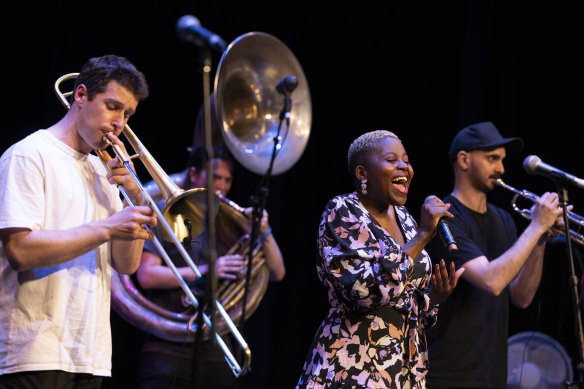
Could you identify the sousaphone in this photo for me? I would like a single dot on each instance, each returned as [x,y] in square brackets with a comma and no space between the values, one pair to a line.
[247,106]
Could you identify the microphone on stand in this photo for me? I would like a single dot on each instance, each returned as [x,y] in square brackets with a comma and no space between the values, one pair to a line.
[534,165]
[444,231]
[189,29]
[285,87]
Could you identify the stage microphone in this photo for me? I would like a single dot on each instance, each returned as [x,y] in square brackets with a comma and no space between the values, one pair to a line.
[444,231]
[287,85]
[189,29]
[534,165]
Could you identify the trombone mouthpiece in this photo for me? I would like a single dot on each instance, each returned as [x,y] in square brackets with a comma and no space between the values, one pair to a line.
[107,140]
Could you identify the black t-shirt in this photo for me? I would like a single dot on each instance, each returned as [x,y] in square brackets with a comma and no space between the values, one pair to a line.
[468,345]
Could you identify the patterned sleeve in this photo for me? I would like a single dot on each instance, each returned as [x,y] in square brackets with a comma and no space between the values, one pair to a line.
[365,266]
[429,314]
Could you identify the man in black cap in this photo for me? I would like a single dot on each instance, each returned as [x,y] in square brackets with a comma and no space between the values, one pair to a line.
[468,345]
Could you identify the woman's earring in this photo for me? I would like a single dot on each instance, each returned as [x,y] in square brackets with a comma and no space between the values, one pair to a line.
[364,186]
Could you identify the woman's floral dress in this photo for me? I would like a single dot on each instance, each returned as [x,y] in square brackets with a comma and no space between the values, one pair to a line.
[373,335]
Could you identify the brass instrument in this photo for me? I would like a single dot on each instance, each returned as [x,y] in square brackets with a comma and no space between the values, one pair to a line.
[181,206]
[232,225]
[574,219]
[247,104]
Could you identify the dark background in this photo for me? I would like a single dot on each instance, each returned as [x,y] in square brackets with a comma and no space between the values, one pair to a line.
[421,69]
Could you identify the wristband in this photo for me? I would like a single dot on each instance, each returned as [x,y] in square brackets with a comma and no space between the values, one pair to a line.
[267,235]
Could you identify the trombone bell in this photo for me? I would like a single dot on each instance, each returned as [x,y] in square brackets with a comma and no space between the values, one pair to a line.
[185,213]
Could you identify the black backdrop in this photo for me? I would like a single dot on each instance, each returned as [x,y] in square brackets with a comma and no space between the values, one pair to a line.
[421,69]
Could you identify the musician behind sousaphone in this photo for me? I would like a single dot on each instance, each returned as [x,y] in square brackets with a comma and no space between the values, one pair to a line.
[164,362]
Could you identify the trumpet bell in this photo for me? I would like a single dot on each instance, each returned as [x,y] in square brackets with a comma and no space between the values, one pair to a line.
[248,105]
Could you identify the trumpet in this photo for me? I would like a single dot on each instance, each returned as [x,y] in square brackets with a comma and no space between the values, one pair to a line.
[573,218]
[181,207]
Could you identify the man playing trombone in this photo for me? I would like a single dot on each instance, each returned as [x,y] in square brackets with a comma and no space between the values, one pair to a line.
[62,225]
[468,345]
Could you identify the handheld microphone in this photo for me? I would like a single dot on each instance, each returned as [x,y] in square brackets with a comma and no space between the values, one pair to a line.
[534,165]
[444,231]
[189,29]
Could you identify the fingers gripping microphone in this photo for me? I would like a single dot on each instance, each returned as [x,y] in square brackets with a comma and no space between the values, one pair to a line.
[534,165]
[189,29]
[444,231]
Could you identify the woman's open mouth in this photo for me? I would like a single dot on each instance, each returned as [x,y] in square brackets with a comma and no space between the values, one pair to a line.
[400,184]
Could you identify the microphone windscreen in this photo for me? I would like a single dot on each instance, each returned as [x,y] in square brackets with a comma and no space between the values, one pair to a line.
[187,21]
[429,198]
[184,24]
[530,163]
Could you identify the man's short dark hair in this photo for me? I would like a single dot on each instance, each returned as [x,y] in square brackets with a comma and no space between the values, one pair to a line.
[97,72]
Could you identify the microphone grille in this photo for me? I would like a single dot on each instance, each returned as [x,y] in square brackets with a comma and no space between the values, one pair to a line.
[187,21]
[530,163]
[183,25]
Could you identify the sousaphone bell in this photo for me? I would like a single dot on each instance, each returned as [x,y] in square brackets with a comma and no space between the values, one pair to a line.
[248,105]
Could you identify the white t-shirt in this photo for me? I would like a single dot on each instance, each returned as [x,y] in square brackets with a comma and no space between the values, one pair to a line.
[55,318]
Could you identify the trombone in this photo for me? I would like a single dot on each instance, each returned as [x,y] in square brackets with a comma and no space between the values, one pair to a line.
[180,207]
[526,213]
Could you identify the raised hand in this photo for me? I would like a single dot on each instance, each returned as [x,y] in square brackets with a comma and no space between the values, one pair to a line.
[264,226]
[118,174]
[432,210]
[443,281]
[547,212]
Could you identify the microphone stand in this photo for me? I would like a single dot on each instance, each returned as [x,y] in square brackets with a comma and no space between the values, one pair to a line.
[574,289]
[210,251]
[259,204]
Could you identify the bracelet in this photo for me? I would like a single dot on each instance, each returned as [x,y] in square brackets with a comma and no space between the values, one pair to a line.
[267,235]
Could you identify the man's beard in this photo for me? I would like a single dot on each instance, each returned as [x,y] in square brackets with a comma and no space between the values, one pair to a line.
[484,186]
